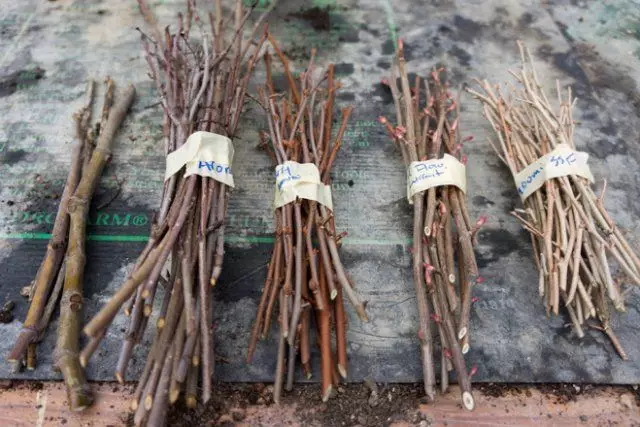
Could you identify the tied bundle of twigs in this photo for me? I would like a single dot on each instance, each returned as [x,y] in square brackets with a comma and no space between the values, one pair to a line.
[444,264]
[305,273]
[202,86]
[571,232]
[62,269]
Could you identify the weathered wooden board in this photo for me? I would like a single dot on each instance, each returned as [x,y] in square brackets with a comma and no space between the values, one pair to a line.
[45,406]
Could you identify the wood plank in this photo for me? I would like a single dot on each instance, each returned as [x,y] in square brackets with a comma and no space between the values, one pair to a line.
[44,404]
[529,406]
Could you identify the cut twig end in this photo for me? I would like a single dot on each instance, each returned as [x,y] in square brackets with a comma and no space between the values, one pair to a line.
[465,348]
[191,401]
[362,314]
[148,402]
[462,332]
[119,377]
[343,371]
[80,397]
[326,395]
[467,401]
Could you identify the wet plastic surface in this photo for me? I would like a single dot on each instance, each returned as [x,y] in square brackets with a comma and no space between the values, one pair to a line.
[48,50]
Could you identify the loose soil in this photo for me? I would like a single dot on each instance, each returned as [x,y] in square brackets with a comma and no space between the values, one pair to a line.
[354,404]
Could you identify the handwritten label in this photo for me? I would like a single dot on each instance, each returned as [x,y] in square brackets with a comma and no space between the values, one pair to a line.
[205,154]
[562,161]
[435,173]
[300,180]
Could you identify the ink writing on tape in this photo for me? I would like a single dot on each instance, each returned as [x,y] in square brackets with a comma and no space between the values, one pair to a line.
[435,173]
[562,161]
[206,154]
[300,180]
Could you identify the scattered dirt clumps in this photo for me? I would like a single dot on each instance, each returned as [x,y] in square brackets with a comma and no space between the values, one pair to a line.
[353,404]
[6,312]
[318,18]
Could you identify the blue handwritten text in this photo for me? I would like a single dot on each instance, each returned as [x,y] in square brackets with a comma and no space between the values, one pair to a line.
[284,175]
[213,167]
[427,171]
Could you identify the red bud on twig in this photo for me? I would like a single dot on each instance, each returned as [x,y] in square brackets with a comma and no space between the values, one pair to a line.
[428,270]
[400,131]
[473,371]
[443,209]
[479,223]
[341,235]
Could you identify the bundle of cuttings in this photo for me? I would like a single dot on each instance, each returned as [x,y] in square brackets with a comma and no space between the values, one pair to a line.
[444,265]
[61,272]
[572,234]
[305,274]
[201,73]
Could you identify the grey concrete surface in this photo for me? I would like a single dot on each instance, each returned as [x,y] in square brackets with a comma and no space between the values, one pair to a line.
[49,48]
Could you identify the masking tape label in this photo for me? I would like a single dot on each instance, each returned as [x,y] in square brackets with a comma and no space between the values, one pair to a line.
[562,161]
[435,173]
[301,180]
[205,154]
